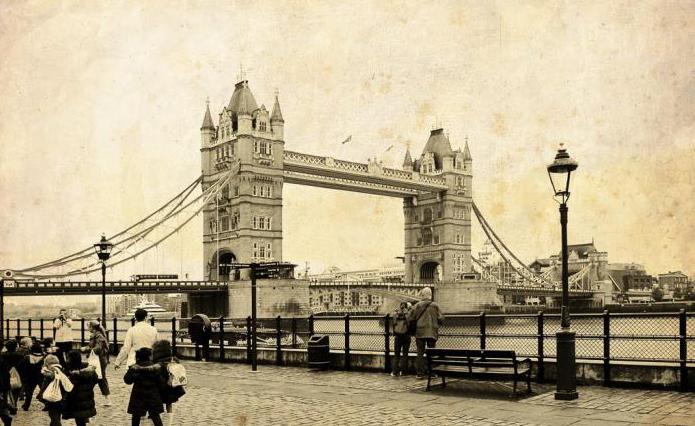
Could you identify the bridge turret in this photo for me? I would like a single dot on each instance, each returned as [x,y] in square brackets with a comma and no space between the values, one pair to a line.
[277,123]
[408,161]
[207,129]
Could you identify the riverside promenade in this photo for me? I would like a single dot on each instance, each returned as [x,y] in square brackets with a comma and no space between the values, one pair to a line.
[230,394]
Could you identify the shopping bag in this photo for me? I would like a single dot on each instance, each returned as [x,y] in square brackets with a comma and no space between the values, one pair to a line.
[94,361]
[15,380]
[52,393]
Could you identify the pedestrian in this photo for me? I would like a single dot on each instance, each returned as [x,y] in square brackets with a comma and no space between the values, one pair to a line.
[48,346]
[5,414]
[402,339]
[52,370]
[162,355]
[141,335]
[12,359]
[99,344]
[63,335]
[79,403]
[145,397]
[426,317]
[31,373]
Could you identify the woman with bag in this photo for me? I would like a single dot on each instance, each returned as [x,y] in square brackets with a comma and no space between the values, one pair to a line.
[79,404]
[55,386]
[98,351]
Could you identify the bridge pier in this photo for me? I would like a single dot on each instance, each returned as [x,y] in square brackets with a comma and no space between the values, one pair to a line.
[467,296]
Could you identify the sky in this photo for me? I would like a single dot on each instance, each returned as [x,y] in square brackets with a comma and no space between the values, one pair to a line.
[101,105]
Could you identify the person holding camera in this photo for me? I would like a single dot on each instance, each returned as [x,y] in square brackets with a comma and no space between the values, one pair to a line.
[63,335]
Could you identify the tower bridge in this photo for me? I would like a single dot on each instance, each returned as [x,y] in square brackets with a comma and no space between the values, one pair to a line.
[244,168]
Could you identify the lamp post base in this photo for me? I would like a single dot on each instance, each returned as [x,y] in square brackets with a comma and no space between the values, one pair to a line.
[566,371]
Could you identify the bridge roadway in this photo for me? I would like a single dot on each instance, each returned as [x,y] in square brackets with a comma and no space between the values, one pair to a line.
[51,288]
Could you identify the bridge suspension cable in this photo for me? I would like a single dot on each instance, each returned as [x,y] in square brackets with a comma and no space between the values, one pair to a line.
[175,211]
[88,251]
[514,262]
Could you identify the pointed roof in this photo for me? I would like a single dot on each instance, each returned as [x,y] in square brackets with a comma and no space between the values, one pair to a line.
[467,152]
[207,120]
[439,145]
[407,161]
[242,101]
[277,113]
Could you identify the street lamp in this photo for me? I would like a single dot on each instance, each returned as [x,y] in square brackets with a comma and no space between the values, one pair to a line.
[103,250]
[559,172]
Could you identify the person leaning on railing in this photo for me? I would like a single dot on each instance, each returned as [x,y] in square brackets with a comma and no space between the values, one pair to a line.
[427,318]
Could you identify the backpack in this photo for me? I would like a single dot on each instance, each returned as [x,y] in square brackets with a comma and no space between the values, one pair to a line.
[177,375]
[400,323]
[15,380]
[412,325]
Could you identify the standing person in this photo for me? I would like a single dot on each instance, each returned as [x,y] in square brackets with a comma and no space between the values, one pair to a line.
[402,339]
[141,335]
[12,359]
[145,397]
[5,389]
[31,373]
[53,370]
[100,345]
[79,404]
[427,317]
[162,356]
[63,335]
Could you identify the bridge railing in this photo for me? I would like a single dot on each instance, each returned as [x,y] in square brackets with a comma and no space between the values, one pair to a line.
[608,338]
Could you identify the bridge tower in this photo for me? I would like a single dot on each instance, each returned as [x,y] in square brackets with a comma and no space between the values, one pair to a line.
[245,223]
[438,225]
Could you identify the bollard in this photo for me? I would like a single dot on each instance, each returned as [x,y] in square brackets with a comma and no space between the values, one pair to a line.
[152,321]
[606,348]
[540,373]
[278,341]
[347,342]
[222,338]
[387,343]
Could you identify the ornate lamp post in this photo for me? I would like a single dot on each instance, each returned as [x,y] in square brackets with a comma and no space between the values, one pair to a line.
[559,172]
[103,250]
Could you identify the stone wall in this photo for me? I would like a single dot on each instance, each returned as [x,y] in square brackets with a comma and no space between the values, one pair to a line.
[274,297]
[467,296]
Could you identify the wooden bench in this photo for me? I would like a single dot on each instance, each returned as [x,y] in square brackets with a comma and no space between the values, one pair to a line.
[477,364]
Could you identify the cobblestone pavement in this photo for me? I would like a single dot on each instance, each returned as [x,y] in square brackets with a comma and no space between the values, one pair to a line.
[229,394]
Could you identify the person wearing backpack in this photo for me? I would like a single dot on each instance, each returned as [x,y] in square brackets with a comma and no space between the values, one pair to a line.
[145,397]
[426,317]
[401,339]
[173,381]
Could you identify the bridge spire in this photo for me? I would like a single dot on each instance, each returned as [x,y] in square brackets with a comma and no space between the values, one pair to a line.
[277,113]
[408,160]
[467,152]
[207,120]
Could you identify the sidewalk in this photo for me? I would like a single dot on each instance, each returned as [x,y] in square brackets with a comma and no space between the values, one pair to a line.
[230,394]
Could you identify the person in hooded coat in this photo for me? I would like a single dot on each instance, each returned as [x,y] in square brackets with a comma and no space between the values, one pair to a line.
[5,394]
[145,396]
[79,403]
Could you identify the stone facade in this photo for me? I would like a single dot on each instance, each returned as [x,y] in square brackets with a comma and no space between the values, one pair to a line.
[286,298]
[438,225]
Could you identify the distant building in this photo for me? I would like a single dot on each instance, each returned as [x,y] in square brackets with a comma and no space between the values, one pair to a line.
[673,280]
[393,273]
[619,273]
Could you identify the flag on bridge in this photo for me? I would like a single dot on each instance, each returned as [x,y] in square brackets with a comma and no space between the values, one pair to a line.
[349,138]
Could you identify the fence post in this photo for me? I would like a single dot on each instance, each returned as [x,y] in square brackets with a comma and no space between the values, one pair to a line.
[278,341]
[29,327]
[482,330]
[115,335]
[152,321]
[540,373]
[248,340]
[387,343]
[81,331]
[347,341]
[41,330]
[683,349]
[19,328]
[294,332]
[173,336]
[132,322]
[606,348]
[222,338]
[311,325]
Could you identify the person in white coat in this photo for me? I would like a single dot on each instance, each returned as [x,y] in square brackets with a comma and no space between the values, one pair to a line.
[63,335]
[141,335]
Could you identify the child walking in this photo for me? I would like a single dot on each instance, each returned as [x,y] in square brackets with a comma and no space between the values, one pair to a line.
[79,404]
[52,370]
[145,396]
[162,356]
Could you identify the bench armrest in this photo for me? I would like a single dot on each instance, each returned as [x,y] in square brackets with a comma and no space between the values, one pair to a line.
[524,362]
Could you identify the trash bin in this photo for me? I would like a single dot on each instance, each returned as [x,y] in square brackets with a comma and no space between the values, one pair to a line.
[199,330]
[318,352]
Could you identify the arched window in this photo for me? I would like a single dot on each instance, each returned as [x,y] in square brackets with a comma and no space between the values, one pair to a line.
[426,236]
[427,215]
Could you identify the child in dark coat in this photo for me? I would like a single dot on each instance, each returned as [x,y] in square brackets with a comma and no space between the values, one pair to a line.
[51,368]
[145,396]
[5,394]
[31,372]
[162,357]
[79,404]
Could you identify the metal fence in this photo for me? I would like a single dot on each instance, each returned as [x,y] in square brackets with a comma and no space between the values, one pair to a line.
[666,338]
